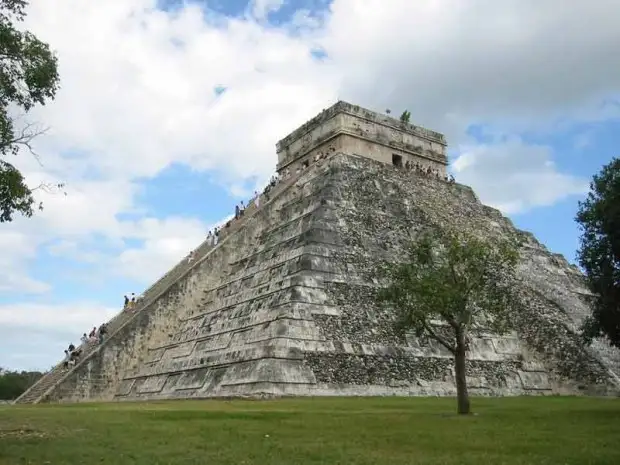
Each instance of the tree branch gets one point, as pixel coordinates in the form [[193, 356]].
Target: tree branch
[[26, 135], [437, 337], [48, 188]]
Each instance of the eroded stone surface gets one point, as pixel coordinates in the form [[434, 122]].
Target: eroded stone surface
[[283, 306], [351, 129]]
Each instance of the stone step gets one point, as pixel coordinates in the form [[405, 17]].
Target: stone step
[[151, 294]]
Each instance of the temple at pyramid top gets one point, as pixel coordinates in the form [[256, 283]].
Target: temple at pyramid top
[[351, 129]]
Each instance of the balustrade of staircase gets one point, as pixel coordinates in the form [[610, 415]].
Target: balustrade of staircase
[[58, 373]]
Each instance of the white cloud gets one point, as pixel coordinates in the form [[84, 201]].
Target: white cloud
[[453, 63], [17, 253], [139, 93], [262, 8], [139, 101], [76, 318], [33, 336], [165, 243], [140, 83], [514, 177]]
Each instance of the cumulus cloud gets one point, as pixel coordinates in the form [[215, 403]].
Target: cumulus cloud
[[454, 63], [144, 88], [33, 336], [513, 176], [164, 244], [141, 89], [261, 8], [78, 317], [17, 252]]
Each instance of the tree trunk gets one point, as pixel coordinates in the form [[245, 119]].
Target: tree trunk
[[459, 371]]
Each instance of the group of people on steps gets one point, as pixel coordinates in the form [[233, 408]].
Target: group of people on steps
[[97, 335], [72, 353], [213, 236]]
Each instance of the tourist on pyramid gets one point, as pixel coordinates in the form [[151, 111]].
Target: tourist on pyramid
[[67, 359], [102, 332]]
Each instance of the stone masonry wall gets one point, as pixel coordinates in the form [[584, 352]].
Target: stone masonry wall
[[100, 375], [375, 135], [292, 316], [238, 338], [284, 306], [381, 205]]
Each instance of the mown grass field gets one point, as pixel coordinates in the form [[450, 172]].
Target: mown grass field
[[524, 431]]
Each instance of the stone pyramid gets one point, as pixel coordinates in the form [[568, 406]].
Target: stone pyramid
[[281, 306]]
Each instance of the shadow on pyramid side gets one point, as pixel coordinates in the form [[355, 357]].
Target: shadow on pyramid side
[[282, 306]]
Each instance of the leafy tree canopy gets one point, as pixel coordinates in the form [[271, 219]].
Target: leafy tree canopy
[[14, 383], [406, 116], [450, 286], [28, 76], [599, 252]]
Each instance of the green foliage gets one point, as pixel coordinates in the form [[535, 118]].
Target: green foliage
[[14, 383], [28, 76], [406, 116], [456, 278], [599, 252]]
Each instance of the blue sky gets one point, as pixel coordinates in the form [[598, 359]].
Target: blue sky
[[169, 113]]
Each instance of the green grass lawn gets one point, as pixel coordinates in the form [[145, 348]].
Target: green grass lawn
[[525, 431]]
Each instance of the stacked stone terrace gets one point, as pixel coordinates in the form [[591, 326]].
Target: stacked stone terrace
[[60, 382], [282, 305]]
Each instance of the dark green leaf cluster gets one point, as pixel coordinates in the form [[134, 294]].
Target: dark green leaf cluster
[[457, 278], [14, 383], [14, 193], [28, 76], [406, 116], [599, 252]]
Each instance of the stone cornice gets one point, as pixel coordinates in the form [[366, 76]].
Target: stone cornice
[[362, 113]]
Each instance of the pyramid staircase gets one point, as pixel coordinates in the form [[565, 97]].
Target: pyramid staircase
[[44, 386]]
